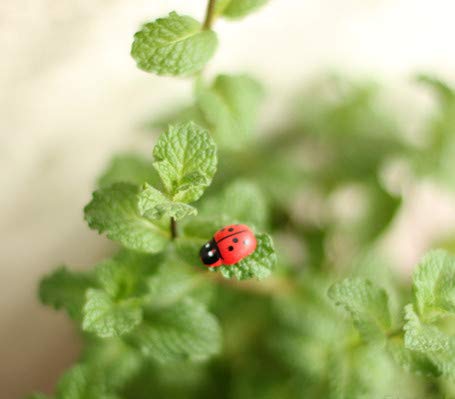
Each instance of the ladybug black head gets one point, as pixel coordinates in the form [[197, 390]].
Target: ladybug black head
[[209, 253]]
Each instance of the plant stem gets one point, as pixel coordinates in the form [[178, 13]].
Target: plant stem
[[174, 233], [395, 333], [209, 15]]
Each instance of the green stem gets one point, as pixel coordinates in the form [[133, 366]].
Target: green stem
[[395, 333], [209, 15], [174, 233]]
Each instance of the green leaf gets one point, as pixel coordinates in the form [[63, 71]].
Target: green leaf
[[184, 331], [437, 158], [175, 45], [240, 202], [80, 382], [367, 304], [379, 213], [187, 249], [153, 204], [350, 374], [434, 283], [420, 336], [64, 289], [238, 8], [414, 362], [185, 158], [258, 265], [123, 275], [431, 341], [171, 283], [114, 210], [108, 318], [230, 107], [73, 384], [300, 352], [175, 281], [201, 228], [129, 168], [113, 362], [117, 281], [446, 92]]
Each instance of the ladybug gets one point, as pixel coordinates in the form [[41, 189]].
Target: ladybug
[[228, 246]]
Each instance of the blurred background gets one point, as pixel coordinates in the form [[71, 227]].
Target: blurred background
[[71, 96]]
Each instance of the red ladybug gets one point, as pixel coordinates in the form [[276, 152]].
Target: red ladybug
[[228, 246]]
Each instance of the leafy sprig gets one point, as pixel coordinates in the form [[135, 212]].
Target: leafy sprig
[[175, 45], [420, 345], [152, 315], [150, 302]]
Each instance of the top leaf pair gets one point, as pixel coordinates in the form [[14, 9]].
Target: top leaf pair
[[180, 45], [185, 159]]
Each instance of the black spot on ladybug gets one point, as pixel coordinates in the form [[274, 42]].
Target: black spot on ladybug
[[231, 229], [235, 240], [230, 248]]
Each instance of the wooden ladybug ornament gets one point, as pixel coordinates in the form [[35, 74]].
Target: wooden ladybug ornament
[[228, 246]]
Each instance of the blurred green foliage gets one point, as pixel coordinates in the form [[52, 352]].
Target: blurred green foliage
[[332, 321]]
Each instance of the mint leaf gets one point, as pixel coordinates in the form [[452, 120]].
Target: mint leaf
[[153, 204], [230, 107], [431, 341], [434, 283], [129, 168], [74, 385], [64, 289], [172, 282], [437, 158], [184, 331], [201, 228], [240, 202], [185, 158], [258, 265], [446, 92], [175, 45], [114, 210], [420, 336], [367, 304], [380, 210], [412, 361], [238, 8], [349, 374], [188, 250], [108, 318], [117, 281], [112, 361], [81, 382], [123, 275]]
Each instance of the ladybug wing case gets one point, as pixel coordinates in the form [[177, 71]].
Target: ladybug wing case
[[237, 245]]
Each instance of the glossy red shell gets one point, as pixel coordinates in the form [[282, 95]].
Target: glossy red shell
[[235, 242]]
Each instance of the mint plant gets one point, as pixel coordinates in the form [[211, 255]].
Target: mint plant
[[326, 318]]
